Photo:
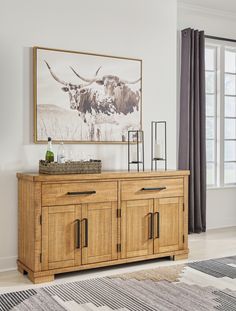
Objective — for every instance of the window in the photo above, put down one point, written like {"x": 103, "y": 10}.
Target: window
{"x": 211, "y": 116}
{"x": 220, "y": 61}
{"x": 230, "y": 117}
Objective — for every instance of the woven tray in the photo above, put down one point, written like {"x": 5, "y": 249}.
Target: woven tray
{"x": 75, "y": 167}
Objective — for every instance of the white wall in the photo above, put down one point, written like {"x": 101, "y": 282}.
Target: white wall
{"x": 124, "y": 28}
{"x": 221, "y": 203}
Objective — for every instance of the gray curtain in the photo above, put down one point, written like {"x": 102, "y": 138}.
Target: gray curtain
{"x": 192, "y": 143}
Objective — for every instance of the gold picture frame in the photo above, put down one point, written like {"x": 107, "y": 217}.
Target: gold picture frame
{"x": 97, "y": 107}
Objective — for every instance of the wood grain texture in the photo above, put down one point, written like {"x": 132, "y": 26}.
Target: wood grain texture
{"x": 185, "y": 216}
{"x": 57, "y": 194}
{"x": 180, "y": 257}
{"x": 55, "y": 241}
{"x": 40, "y": 279}
{"x": 136, "y": 228}
{"x": 170, "y": 225}
{"x": 78, "y": 250}
{"x": 132, "y": 190}
{"x": 104, "y": 175}
{"x": 119, "y": 219}
{"x": 37, "y": 205}
{"x": 29, "y": 228}
{"x": 184, "y": 253}
{"x": 59, "y": 236}
{"x": 181, "y": 223}
{"x": 45, "y": 239}
{"x": 102, "y": 232}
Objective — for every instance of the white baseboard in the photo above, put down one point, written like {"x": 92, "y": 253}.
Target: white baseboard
{"x": 222, "y": 227}
{"x": 7, "y": 263}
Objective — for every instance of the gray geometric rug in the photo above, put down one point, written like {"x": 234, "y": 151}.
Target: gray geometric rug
{"x": 218, "y": 268}
{"x": 200, "y": 286}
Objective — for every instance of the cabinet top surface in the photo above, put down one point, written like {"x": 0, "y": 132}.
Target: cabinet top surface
{"x": 104, "y": 175}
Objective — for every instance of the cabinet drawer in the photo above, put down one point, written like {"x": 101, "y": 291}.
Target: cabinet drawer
{"x": 76, "y": 193}
{"x": 151, "y": 188}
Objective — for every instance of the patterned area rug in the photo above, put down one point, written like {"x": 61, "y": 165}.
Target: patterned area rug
{"x": 199, "y": 286}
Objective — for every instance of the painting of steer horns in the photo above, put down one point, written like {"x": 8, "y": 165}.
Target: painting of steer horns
{"x": 87, "y": 98}
{"x": 74, "y": 90}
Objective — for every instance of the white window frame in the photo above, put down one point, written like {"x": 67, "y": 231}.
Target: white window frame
{"x": 220, "y": 47}
{"x": 215, "y": 94}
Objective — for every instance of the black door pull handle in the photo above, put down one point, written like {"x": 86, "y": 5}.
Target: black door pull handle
{"x": 86, "y": 232}
{"x": 81, "y": 192}
{"x": 158, "y": 225}
{"x": 78, "y": 233}
{"x": 150, "y": 229}
{"x": 153, "y": 188}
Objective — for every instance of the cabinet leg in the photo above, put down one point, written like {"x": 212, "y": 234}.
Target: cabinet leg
{"x": 34, "y": 278}
{"x": 21, "y": 269}
{"x": 40, "y": 279}
{"x": 180, "y": 257}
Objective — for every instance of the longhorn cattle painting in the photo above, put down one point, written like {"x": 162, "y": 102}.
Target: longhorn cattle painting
{"x": 87, "y": 98}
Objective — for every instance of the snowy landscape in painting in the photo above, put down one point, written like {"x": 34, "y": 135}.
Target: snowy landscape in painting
{"x": 85, "y": 97}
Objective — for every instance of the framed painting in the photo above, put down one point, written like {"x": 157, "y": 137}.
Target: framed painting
{"x": 84, "y": 97}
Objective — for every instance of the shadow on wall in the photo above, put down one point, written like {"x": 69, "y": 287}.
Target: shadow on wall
{"x": 28, "y": 100}
{"x": 8, "y": 210}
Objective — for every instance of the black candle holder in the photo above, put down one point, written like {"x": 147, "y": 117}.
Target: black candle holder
{"x": 155, "y": 158}
{"x": 135, "y": 139}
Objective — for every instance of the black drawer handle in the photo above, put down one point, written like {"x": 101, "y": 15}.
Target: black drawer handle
{"x": 151, "y": 224}
{"x": 81, "y": 192}
{"x": 158, "y": 225}
{"x": 78, "y": 233}
{"x": 153, "y": 188}
{"x": 86, "y": 232}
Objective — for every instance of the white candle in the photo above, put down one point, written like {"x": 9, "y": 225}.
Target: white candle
{"x": 157, "y": 153}
{"x": 134, "y": 154}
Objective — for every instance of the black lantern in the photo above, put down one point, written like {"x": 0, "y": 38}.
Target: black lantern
{"x": 158, "y": 144}
{"x": 136, "y": 149}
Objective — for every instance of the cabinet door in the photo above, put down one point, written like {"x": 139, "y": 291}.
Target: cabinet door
{"x": 136, "y": 224}
{"x": 168, "y": 225}
{"x": 99, "y": 232}
{"x": 61, "y": 236}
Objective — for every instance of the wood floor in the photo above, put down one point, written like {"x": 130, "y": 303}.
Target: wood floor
{"x": 213, "y": 244}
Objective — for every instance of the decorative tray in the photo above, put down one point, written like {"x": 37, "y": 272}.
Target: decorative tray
{"x": 73, "y": 167}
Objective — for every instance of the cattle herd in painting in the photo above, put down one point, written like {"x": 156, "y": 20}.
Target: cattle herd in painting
{"x": 86, "y": 97}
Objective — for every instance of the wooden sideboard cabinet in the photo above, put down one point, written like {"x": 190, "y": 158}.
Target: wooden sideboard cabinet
{"x": 76, "y": 222}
